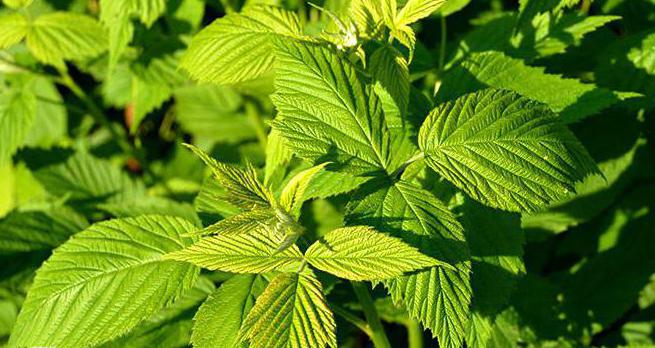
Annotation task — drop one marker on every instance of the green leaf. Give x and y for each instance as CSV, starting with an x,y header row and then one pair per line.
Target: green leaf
x,y
365,15
361,253
278,157
146,97
241,253
50,125
416,10
239,46
439,297
212,112
17,3
388,10
243,188
327,111
88,181
572,99
291,312
146,10
103,282
171,326
554,34
13,28
496,242
627,65
504,150
452,6
38,230
596,193
151,205
292,196
256,220
391,70
218,320
17,109
59,36
327,183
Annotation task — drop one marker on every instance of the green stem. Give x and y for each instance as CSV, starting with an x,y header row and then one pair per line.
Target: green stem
x,y
442,46
351,318
414,333
378,336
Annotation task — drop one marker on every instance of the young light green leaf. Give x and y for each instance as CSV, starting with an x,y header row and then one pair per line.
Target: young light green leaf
x,y
244,189
406,36
361,253
292,196
38,230
59,36
504,150
416,10
451,6
103,282
241,253
17,111
218,320
256,220
239,46
388,11
291,312
328,112
278,157
13,28
365,15
439,297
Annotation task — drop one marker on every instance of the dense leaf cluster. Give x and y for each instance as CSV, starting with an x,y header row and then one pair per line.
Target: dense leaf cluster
x,y
282,173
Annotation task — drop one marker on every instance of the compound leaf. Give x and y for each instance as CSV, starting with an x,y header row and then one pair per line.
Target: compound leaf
x,y
361,253
504,150
239,46
241,253
327,111
291,312
104,281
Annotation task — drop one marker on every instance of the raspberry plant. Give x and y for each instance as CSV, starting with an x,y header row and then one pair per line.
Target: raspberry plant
x,y
382,173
